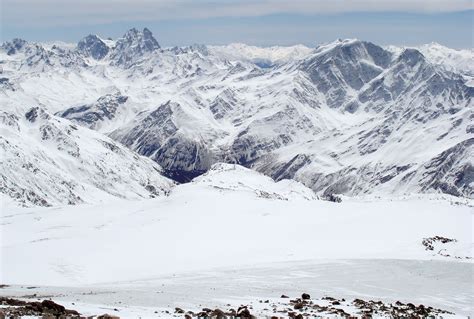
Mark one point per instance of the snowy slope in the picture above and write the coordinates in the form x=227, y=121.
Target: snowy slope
x=459, y=61
x=237, y=178
x=197, y=211
x=456, y=60
x=347, y=117
x=217, y=241
x=265, y=57
x=47, y=161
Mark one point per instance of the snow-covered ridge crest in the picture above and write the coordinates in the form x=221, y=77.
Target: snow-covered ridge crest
x=261, y=55
x=238, y=178
x=456, y=60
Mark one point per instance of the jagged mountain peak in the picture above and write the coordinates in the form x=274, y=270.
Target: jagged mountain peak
x=39, y=57
x=340, y=67
x=200, y=48
x=14, y=46
x=132, y=46
x=329, y=46
x=411, y=57
x=93, y=46
x=144, y=39
x=355, y=50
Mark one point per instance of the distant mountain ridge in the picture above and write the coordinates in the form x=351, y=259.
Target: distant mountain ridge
x=348, y=117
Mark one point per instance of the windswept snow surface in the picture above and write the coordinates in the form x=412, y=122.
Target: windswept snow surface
x=217, y=240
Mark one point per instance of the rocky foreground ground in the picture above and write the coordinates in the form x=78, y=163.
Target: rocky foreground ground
x=283, y=307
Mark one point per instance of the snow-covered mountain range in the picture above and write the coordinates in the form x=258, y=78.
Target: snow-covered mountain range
x=348, y=117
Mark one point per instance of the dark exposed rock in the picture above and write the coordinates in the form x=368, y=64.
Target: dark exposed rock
x=6, y=84
x=288, y=170
x=428, y=242
x=244, y=313
x=132, y=46
x=14, y=46
x=52, y=306
x=437, y=242
x=333, y=198
x=223, y=103
x=90, y=115
x=343, y=60
x=93, y=46
x=298, y=305
x=448, y=174
x=34, y=113
x=15, y=307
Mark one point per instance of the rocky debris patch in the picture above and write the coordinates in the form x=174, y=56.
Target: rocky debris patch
x=431, y=241
x=437, y=245
x=306, y=307
x=242, y=312
x=332, y=198
x=19, y=308
x=397, y=309
x=366, y=309
x=275, y=308
x=267, y=195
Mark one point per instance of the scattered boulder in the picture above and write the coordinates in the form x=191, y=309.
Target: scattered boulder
x=20, y=308
x=333, y=198
x=430, y=241
x=52, y=306
x=298, y=306
x=218, y=314
x=244, y=313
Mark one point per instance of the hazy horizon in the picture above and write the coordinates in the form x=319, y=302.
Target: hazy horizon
x=259, y=22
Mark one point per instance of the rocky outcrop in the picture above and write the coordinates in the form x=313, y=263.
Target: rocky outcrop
x=92, y=46
x=92, y=115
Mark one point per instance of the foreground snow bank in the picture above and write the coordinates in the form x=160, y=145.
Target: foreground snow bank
x=199, y=227
x=233, y=236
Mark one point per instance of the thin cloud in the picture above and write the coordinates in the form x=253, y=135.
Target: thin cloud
x=63, y=12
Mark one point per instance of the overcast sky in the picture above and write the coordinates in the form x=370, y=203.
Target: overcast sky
x=257, y=22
